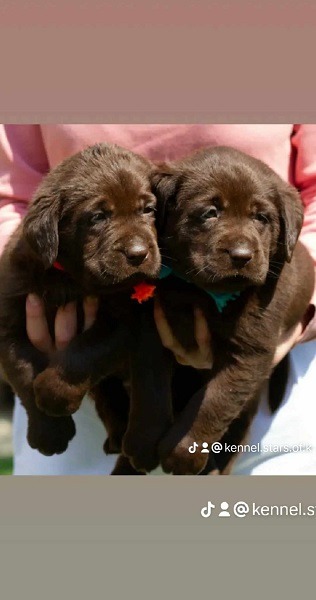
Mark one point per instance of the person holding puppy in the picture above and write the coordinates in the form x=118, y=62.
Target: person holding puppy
x=27, y=152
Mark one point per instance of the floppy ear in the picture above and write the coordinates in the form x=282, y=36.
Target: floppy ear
x=40, y=227
x=165, y=185
x=291, y=218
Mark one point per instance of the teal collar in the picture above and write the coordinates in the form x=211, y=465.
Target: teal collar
x=221, y=299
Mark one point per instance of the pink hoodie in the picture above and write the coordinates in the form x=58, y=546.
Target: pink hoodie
x=27, y=152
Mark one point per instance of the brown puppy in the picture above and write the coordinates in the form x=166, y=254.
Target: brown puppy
x=90, y=230
x=230, y=226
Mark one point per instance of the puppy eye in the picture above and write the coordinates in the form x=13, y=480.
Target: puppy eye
x=261, y=217
x=100, y=216
x=149, y=209
x=211, y=213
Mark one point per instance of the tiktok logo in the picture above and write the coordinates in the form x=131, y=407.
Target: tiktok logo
x=193, y=448
x=207, y=510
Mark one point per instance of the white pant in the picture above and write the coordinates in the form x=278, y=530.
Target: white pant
x=278, y=437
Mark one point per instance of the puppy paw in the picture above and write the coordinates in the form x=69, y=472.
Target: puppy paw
x=54, y=396
x=51, y=435
x=211, y=467
x=113, y=444
x=179, y=461
x=124, y=467
x=141, y=452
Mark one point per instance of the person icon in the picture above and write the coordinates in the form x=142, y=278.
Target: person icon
x=224, y=512
x=205, y=448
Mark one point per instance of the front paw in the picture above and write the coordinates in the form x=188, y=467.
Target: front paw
x=51, y=435
x=179, y=461
x=141, y=451
x=113, y=444
x=124, y=467
x=54, y=396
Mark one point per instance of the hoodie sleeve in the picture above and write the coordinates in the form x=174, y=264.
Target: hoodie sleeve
x=23, y=163
x=304, y=149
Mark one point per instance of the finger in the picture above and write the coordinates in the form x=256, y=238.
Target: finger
x=195, y=360
x=202, y=334
x=308, y=332
x=36, y=324
x=287, y=342
x=182, y=360
x=65, y=325
x=90, y=309
x=167, y=338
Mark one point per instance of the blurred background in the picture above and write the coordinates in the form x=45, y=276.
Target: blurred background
x=6, y=408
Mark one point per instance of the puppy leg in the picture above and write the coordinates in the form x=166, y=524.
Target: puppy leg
x=21, y=363
x=60, y=388
x=186, y=382
x=211, y=466
x=277, y=383
x=151, y=413
x=209, y=413
x=112, y=405
x=235, y=435
x=124, y=467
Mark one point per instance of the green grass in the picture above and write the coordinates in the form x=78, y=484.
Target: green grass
x=6, y=466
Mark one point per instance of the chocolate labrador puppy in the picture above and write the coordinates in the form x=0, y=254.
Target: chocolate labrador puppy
x=90, y=230
x=230, y=227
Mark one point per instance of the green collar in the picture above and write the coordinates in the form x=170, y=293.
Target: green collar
x=221, y=299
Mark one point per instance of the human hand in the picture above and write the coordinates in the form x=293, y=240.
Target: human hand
x=302, y=332
x=202, y=357
x=65, y=323
x=53, y=395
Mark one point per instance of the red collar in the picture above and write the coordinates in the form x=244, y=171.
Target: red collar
x=142, y=292
x=58, y=266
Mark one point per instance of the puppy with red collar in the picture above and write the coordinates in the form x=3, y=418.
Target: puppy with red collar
x=90, y=230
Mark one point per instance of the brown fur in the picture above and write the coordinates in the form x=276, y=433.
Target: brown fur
x=94, y=214
x=256, y=212
x=229, y=224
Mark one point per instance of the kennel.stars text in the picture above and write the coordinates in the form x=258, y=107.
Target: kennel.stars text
x=218, y=447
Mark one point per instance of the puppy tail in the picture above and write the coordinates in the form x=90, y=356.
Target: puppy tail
x=277, y=384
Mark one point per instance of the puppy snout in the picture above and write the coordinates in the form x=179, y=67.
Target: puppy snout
x=136, y=253
x=240, y=255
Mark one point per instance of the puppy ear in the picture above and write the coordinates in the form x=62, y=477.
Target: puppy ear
x=291, y=218
x=165, y=186
x=40, y=227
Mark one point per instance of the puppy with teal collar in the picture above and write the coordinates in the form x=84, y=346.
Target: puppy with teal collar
x=229, y=226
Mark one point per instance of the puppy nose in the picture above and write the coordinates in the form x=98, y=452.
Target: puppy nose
x=240, y=255
x=137, y=253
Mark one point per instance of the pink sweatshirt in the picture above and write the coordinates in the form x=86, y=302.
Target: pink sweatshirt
x=27, y=152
